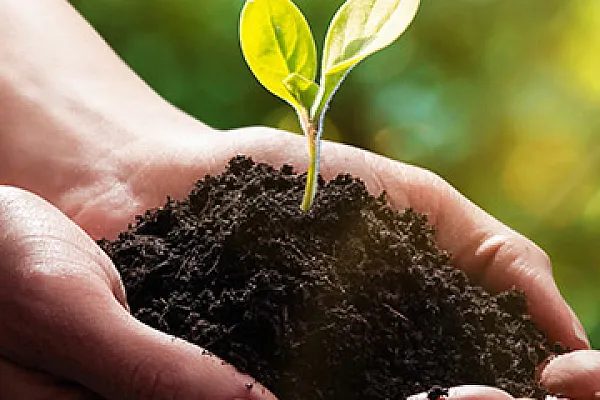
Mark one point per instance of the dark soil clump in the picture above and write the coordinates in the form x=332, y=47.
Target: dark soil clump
x=348, y=301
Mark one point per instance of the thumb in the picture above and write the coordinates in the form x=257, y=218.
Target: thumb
x=575, y=375
x=105, y=349
x=61, y=314
x=122, y=358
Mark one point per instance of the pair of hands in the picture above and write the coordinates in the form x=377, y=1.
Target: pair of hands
x=66, y=331
x=97, y=146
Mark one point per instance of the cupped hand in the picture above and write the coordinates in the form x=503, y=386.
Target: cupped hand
x=85, y=133
x=66, y=332
x=137, y=171
x=492, y=254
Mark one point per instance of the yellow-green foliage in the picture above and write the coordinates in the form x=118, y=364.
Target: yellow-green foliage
x=280, y=50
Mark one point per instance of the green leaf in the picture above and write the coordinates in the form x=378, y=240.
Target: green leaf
x=303, y=90
x=279, y=47
x=359, y=29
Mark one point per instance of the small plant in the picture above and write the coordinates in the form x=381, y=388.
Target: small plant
x=280, y=50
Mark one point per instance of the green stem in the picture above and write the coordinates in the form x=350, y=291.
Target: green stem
x=312, y=130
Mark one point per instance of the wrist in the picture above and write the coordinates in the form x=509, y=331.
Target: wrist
x=74, y=119
x=77, y=150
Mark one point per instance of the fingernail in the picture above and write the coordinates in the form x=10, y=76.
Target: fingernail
x=578, y=329
x=580, y=333
x=597, y=395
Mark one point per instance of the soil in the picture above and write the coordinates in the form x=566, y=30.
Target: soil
x=351, y=300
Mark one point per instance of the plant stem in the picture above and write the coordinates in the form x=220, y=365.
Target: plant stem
x=312, y=130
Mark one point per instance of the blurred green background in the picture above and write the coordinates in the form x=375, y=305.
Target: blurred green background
x=499, y=97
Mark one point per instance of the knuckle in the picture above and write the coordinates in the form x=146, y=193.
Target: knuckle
x=528, y=254
x=514, y=260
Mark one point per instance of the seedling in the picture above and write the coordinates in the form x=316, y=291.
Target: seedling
x=279, y=48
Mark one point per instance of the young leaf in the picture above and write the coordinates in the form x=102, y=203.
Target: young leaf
x=302, y=89
x=280, y=50
x=359, y=29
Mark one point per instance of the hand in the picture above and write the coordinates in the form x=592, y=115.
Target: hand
x=574, y=375
x=81, y=130
x=66, y=331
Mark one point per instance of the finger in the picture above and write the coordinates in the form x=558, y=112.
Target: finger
x=20, y=383
x=491, y=253
x=65, y=320
x=575, y=375
x=470, y=392
x=120, y=358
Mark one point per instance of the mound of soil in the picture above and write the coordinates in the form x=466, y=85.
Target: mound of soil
x=351, y=300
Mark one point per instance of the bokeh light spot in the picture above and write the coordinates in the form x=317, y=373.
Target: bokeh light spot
x=538, y=168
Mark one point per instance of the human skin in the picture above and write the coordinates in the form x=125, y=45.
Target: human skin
x=575, y=375
x=79, y=129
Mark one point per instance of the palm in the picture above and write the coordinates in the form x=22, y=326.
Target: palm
x=491, y=253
